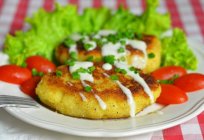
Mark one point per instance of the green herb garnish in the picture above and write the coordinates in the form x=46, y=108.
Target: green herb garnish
x=133, y=69
x=58, y=73
x=151, y=55
x=90, y=58
x=88, y=46
x=109, y=59
x=87, y=88
x=68, y=42
x=70, y=62
x=91, y=69
x=119, y=70
x=114, y=77
x=34, y=72
x=73, y=55
x=169, y=81
x=121, y=50
x=76, y=75
x=123, y=42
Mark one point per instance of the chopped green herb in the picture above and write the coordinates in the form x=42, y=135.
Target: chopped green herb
x=109, y=59
x=87, y=88
x=169, y=81
x=73, y=55
x=121, y=50
x=58, y=73
x=91, y=69
x=90, y=58
x=112, y=38
x=34, y=72
x=99, y=42
x=123, y=71
x=133, y=69
x=114, y=77
x=82, y=70
x=122, y=58
x=123, y=42
x=129, y=34
x=70, y=62
x=40, y=73
x=76, y=75
x=68, y=42
x=151, y=55
x=88, y=46
x=24, y=64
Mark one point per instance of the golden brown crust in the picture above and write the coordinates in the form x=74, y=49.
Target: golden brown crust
x=62, y=94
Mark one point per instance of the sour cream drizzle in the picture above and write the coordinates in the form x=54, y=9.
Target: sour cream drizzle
x=130, y=98
x=137, y=78
x=83, y=97
x=128, y=94
x=101, y=102
x=83, y=76
x=73, y=48
x=112, y=49
x=107, y=66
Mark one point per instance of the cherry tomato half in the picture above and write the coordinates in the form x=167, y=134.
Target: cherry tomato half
x=190, y=82
x=28, y=87
x=165, y=73
x=14, y=74
x=40, y=63
x=171, y=94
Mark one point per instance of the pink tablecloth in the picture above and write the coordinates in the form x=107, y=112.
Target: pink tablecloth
x=186, y=14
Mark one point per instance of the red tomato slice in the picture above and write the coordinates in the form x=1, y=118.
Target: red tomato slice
x=165, y=73
x=28, y=87
x=171, y=94
x=40, y=63
x=190, y=82
x=14, y=74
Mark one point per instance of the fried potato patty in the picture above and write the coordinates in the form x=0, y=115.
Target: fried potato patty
x=63, y=94
x=153, y=46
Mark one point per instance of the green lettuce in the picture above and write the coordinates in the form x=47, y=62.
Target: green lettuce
x=154, y=22
x=49, y=29
x=175, y=51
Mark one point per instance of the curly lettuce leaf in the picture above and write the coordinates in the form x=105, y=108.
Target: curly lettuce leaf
x=49, y=29
x=175, y=51
x=154, y=22
x=123, y=20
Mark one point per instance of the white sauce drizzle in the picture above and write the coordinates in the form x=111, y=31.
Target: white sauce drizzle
x=128, y=94
x=130, y=98
x=140, y=45
x=105, y=32
x=137, y=78
x=76, y=37
x=112, y=49
x=92, y=43
x=83, y=76
x=73, y=48
x=101, y=102
x=83, y=97
x=107, y=66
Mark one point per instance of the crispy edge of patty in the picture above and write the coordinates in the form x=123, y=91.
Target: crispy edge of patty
x=62, y=95
x=153, y=46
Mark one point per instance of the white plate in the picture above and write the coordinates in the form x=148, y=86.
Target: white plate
x=171, y=115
